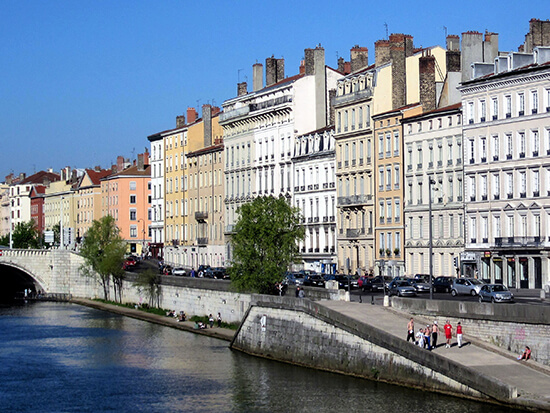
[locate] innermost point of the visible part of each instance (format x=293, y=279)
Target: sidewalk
x=220, y=333
x=533, y=384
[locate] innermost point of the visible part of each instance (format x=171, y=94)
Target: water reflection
x=62, y=357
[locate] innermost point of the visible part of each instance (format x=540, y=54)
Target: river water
x=58, y=357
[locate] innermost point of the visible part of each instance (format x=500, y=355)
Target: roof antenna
x=445, y=28
x=386, y=26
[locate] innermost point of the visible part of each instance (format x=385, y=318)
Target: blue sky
x=84, y=81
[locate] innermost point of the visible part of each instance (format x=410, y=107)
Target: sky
x=84, y=81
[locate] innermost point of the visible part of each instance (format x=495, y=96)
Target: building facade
x=507, y=170
x=315, y=195
x=433, y=152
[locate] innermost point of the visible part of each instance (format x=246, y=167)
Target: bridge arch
x=15, y=279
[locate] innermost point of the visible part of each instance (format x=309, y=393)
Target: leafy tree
x=149, y=282
x=26, y=235
x=104, y=249
x=265, y=243
x=5, y=240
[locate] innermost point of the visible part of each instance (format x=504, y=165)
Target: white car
x=179, y=271
x=467, y=286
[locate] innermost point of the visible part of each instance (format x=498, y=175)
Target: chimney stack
x=241, y=89
x=381, y=52
x=426, y=71
x=191, y=115
x=140, y=162
x=401, y=46
x=180, y=121
x=359, y=58
x=207, y=123
x=257, y=76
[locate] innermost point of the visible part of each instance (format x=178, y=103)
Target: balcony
x=536, y=193
x=202, y=241
x=508, y=156
x=325, y=219
x=315, y=219
x=325, y=185
x=472, y=160
x=484, y=197
x=354, y=200
x=495, y=157
x=331, y=185
x=175, y=242
x=495, y=117
x=449, y=162
x=483, y=159
x=354, y=232
x=352, y=97
x=518, y=241
x=230, y=229
x=201, y=216
x=522, y=154
x=296, y=189
x=522, y=195
x=496, y=197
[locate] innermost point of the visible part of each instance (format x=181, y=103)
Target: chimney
x=207, y=123
x=191, y=115
x=180, y=121
x=309, y=61
x=539, y=35
x=426, y=71
x=490, y=47
x=302, y=67
x=140, y=162
x=359, y=58
x=280, y=70
x=381, y=52
x=241, y=89
x=331, y=111
x=453, y=42
x=257, y=76
x=215, y=110
x=320, y=86
x=400, y=47
x=341, y=64
x=472, y=51
x=453, y=53
x=270, y=71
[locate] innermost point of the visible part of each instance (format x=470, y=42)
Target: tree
x=26, y=235
x=265, y=243
x=149, y=282
x=103, y=250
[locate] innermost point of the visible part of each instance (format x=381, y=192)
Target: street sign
x=49, y=237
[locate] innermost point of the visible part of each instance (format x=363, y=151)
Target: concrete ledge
x=492, y=388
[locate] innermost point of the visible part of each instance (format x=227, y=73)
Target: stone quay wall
x=306, y=333
x=508, y=326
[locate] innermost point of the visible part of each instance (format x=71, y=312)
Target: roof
x=96, y=176
x=130, y=171
x=320, y=130
x=212, y=148
x=524, y=69
x=40, y=177
x=450, y=108
x=402, y=108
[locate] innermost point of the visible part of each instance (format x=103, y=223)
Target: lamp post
x=143, y=233
x=61, y=235
x=11, y=229
x=430, y=235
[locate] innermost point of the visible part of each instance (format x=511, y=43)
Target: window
x=473, y=229
x=510, y=184
x=380, y=145
x=521, y=143
x=483, y=144
x=509, y=146
x=397, y=203
x=421, y=227
x=133, y=214
x=495, y=108
x=472, y=188
x=470, y=112
x=534, y=101
x=472, y=151
x=353, y=119
x=395, y=143
x=535, y=143
x=388, y=178
x=521, y=104
x=451, y=226
x=497, y=226
x=496, y=186
x=484, y=187
x=482, y=111
x=133, y=231
x=508, y=100
x=345, y=121
x=132, y=185
x=496, y=148
x=381, y=178
x=397, y=176
x=536, y=183
x=132, y=199
x=388, y=144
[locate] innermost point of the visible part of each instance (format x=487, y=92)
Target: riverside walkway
x=531, y=379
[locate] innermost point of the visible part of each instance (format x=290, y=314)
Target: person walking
x=427, y=335
x=211, y=320
x=459, y=334
x=435, y=332
x=410, y=330
x=448, y=333
x=420, y=338
x=219, y=320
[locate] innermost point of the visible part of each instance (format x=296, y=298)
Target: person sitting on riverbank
x=182, y=316
x=171, y=313
x=526, y=355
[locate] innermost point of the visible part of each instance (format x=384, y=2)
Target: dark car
x=220, y=273
x=420, y=285
x=443, y=284
x=378, y=283
x=314, y=280
x=401, y=288
x=293, y=278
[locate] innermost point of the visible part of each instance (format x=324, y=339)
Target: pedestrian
x=297, y=292
x=193, y=274
x=302, y=293
x=448, y=333
x=211, y=320
x=526, y=355
x=459, y=334
x=410, y=330
x=420, y=338
x=219, y=320
x=435, y=331
x=427, y=334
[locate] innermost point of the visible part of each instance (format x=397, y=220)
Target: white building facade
x=507, y=170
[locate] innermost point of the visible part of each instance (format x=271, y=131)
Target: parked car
x=401, y=288
x=201, y=270
x=220, y=273
x=420, y=285
x=443, y=284
x=179, y=271
x=314, y=280
x=293, y=278
x=378, y=283
x=341, y=279
x=467, y=286
x=495, y=293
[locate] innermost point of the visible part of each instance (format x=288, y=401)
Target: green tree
x=104, y=249
x=26, y=235
x=265, y=243
x=149, y=282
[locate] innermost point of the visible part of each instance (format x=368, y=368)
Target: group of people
x=427, y=337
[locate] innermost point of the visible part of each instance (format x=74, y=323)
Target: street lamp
x=143, y=232
x=430, y=234
x=11, y=229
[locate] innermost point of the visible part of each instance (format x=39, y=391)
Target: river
x=57, y=357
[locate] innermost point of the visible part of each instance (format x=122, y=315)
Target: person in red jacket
x=459, y=334
x=448, y=333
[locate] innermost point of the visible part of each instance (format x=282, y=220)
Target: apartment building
x=507, y=169
x=433, y=162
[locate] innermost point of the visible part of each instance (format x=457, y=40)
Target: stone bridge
x=49, y=271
